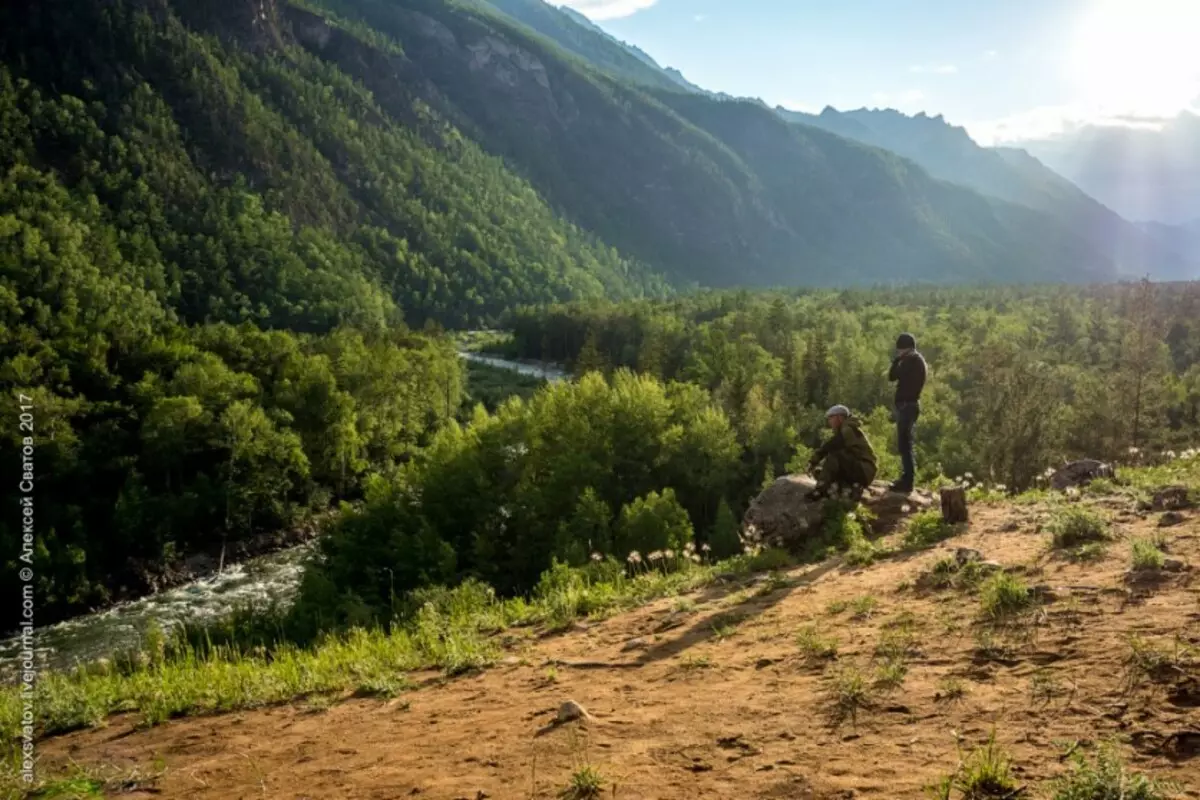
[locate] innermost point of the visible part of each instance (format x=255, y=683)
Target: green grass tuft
x=1104, y=776
x=926, y=529
x=1076, y=526
x=1004, y=595
x=1145, y=555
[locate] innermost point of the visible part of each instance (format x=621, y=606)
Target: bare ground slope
x=710, y=696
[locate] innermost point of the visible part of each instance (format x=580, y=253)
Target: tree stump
x=954, y=505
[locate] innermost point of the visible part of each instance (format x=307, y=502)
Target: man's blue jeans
x=906, y=421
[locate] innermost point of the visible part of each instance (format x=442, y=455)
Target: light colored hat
x=837, y=411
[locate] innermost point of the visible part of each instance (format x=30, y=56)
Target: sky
x=1007, y=70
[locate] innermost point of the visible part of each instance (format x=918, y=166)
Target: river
x=260, y=581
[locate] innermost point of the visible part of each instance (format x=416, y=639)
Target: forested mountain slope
x=947, y=152
x=692, y=184
x=269, y=186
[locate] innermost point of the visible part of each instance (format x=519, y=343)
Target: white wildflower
x=904, y=509
x=597, y=557
x=705, y=547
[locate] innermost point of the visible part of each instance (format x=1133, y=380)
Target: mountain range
x=320, y=162
x=1145, y=172
x=947, y=152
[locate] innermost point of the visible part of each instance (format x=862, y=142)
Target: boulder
x=1080, y=473
x=1171, y=518
x=783, y=516
x=1172, y=498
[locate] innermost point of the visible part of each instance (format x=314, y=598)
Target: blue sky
x=1005, y=69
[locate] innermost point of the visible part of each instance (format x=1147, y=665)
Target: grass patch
x=863, y=607
x=773, y=583
x=986, y=773
x=1149, y=663
x=947, y=573
x=1044, y=686
x=951, y=689
x=81, y=783
x=1078, y=527
x=1105, y=776
x=1145, y=555
x=890, y=675
x=725, y=625
x=586, y=784
x=926, y=529
x=848, y=693
x=814, y=646
x=1004, y=595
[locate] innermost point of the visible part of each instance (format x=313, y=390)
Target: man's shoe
x=901, y=487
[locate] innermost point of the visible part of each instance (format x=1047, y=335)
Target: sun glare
x=1138, y=56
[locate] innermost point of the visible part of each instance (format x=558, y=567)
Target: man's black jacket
x=908, y=372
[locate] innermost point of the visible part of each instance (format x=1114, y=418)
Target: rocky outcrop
x=1080, y=473
x=784, y=516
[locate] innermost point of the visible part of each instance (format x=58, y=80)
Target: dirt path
x=708, y=696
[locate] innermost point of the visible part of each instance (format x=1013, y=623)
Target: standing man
x=908, y=372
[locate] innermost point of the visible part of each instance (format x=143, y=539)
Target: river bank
x=264, y=569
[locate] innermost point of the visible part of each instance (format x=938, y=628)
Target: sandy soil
x=708, y=696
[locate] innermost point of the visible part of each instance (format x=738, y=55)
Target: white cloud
x=906, y=100
x=700, y=17
x=1049, y=122
x=989, y=55
x=933, y=69
x=608, y=9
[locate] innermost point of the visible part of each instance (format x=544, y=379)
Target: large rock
x=783, y=516
x=1081, y=472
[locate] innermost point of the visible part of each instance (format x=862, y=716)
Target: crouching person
x=846, y=461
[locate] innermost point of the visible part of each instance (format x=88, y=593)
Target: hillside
x=438, y=157
x=1142, y=173
x=677, y=190
x=825, y=681
x=947, y=152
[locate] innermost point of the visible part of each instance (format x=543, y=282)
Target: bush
x=1075, y=526
x=653, y=523
x=1146, y=555
x=724, y=540
x=925, y=529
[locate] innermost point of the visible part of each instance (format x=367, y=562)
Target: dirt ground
x=708, y=696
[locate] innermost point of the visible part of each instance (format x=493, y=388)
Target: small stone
x=965, y=555
x=639, y=643
x=1170, y=518
x=1012, y=526
x=1174, y=565
x=571, y=711
x=763, y=663
x=991, y=566
x=510, y=661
